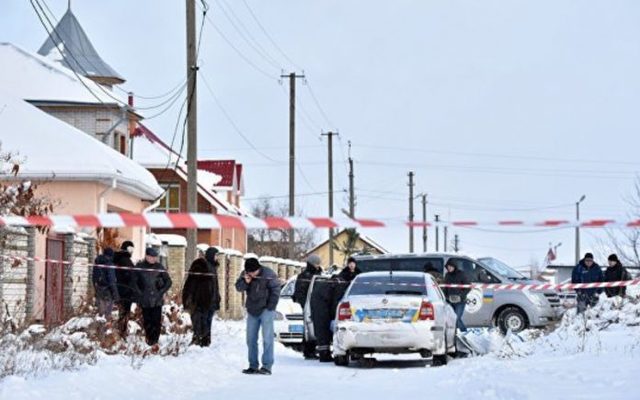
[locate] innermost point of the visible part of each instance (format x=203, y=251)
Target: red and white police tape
x=211, y=221
x=494, y=286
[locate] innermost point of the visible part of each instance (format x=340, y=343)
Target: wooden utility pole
x=411, y=216
x=352, y=195
x=292, y=156
x=330, y=136
x=424, y=221
x=446, y=231
x=192, y=128
x=456, y=243
x=437, y=233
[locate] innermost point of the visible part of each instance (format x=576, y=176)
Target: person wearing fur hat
x=614, y=273
x=300, y=296
x=262, y=289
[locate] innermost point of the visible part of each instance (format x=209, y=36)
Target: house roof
x=71, y=45
x=367, y=240
x=151, y=152
x=231, y=173
x=34, y=78
x=55, y=150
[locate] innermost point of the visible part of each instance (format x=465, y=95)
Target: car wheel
x=441, y=359
x=341, y=361
x=512, y=319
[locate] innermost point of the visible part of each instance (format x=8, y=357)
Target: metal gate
x=54, y=283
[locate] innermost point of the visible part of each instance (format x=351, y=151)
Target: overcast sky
x=503, y=109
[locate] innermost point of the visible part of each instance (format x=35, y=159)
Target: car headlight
x=279, y=316
x=536, y=298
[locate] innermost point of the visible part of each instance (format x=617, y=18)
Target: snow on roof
x=55, y=150
x=31, y=77
x=78, y=53
x=151, y=152
x=172, y=240
x=225, y=168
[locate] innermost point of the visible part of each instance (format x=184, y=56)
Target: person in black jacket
x=124, y=277
x=300, y=296
x=212, y=264
x=323, y=311
x=151, y=283
x=457, y=297
x=104, y=283
x=349, y=272
x=262, y=288
x=198, y=300
x=616, y=272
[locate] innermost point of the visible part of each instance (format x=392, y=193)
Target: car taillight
x=427, y=312
x=344, y=311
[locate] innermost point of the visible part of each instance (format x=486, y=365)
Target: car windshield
x=501, y=268
x=288, y=289
x=389, y=285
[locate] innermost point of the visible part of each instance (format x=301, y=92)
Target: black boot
x=325, y=356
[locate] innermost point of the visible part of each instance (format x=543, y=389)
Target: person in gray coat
x=150, y=287
x=262, y=288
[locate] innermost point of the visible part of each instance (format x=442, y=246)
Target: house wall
x=83, y=198
x=14, y=275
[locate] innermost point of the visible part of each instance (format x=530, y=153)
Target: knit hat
x=351, y=260
x=251, y=265
x=314, y=260
x=613, y=257
x=126, y=244
x=588, y=256
x=151, y=252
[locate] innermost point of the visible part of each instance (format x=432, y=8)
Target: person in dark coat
x=587, y=271
x=349, y=272
x=614, y=273
x=323, y=302
x=300, y=296
x=198, y=300
x=151, y=282
x=262, y=289
x=457, y=297
x=212, y=265
x=104, y=283
x=124, y=277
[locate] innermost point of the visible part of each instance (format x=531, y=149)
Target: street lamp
x=578, y=227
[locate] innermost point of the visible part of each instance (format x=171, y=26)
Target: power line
x=285, y=196
x=317, y=103
x=268, y=36
x=232, y=122
x=155, y=97
x=248, y=38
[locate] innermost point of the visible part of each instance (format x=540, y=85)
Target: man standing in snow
x=198, y=300
x=124, y=277
x=457, y=297
x=104, y=283
x=212, y=268
x=587, y=271
x=300, y=296
x=614, y=273
x=151, y=283
x=262, y=288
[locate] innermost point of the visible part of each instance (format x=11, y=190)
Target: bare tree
x=626, y=242
x=275, y=242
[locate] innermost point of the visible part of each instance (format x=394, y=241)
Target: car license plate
x=296, y=329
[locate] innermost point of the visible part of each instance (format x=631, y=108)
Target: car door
x=480, y=305
x=449, y=315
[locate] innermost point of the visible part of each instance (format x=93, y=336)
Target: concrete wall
x=14, y=276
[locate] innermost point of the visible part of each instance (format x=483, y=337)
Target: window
x=387, y=285
x=374, y=265
x=171, y=200
x=429, y=265
x=475, y=272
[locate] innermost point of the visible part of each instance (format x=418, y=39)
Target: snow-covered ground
x=567, y=364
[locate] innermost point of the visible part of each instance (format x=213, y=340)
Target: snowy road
x=611, y=372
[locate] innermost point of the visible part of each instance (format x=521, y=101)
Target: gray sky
x=504, y=109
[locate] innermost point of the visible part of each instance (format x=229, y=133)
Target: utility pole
x=352, y=195
x=456, y=243
x=411, y=185
x=578, y=228
x=424, y=221
x=446, y=231
x=330, y=135
x=437, y=233
x=192, y=128
x=292, y=155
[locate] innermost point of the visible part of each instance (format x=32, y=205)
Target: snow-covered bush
x=84, y=339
